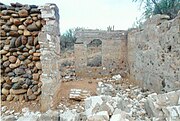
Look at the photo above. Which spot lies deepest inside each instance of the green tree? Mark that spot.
(67, 40)
(153, 7)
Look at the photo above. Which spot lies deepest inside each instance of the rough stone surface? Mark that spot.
(15, 47)
(164, 106)
(153, 54)
(50, 54)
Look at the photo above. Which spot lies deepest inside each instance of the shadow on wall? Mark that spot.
(94, 53)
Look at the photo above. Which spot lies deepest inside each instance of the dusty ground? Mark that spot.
(62, 95)
(17, 106)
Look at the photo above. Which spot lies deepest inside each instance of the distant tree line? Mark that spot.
(153, 7)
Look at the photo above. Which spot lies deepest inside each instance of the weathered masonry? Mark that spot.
(100, 53)
(150, 56)
(30, 50)
(30, 54)
(154, 54)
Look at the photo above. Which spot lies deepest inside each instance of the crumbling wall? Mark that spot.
(112, 52)
(30, 51)
(154, 54)
(49, 39)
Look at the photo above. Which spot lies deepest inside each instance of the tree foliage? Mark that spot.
(153, 7)
(67, 40)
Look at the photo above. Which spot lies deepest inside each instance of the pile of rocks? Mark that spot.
(131, 103)
(164, 106)
(127, 104)
(67, 67)
(68, 74)
(20, 51)
(105, 89)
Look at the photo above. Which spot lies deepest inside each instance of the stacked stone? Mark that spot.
(164, 106)
(20, 52)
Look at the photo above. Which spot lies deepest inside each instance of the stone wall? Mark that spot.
(154, 54)
(109, 56)
(20, 52)
(30, 50)
(49, 39)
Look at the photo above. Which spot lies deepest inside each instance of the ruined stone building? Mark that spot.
(100, 53)
(149, 56)
(30, 54)
(30, 50)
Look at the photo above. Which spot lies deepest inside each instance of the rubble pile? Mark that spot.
(113, 103)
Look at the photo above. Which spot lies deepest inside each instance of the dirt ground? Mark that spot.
(62, 95)
(18, 106)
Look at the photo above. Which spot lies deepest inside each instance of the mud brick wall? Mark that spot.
(20, 52)
(112, 53)
(154, 54)
(30, 48)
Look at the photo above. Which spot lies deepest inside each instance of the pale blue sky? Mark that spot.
(91, 14)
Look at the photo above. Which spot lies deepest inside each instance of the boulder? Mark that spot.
(14, 33)
(38, 65)
(3, 52)
(32, 97)
(32, 27)
(91, 103)
(29, 92)
(37, 54)
(119, 115)
(34, 88)
(9, 97)
(36, 76)
(12, 59)
(12, 43)
(69, 115)
(6, 86)
(21, 27)
(23, 40)
(9, 118)
(26, 33)
(100, 116)
(18, 41)
(6, 63)
(14, 28)
(17, 91)
(16, 86)
(19, 71)
(23, 13)
(17, 22)
(6, 47)
(5, 91)
(17, 79)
